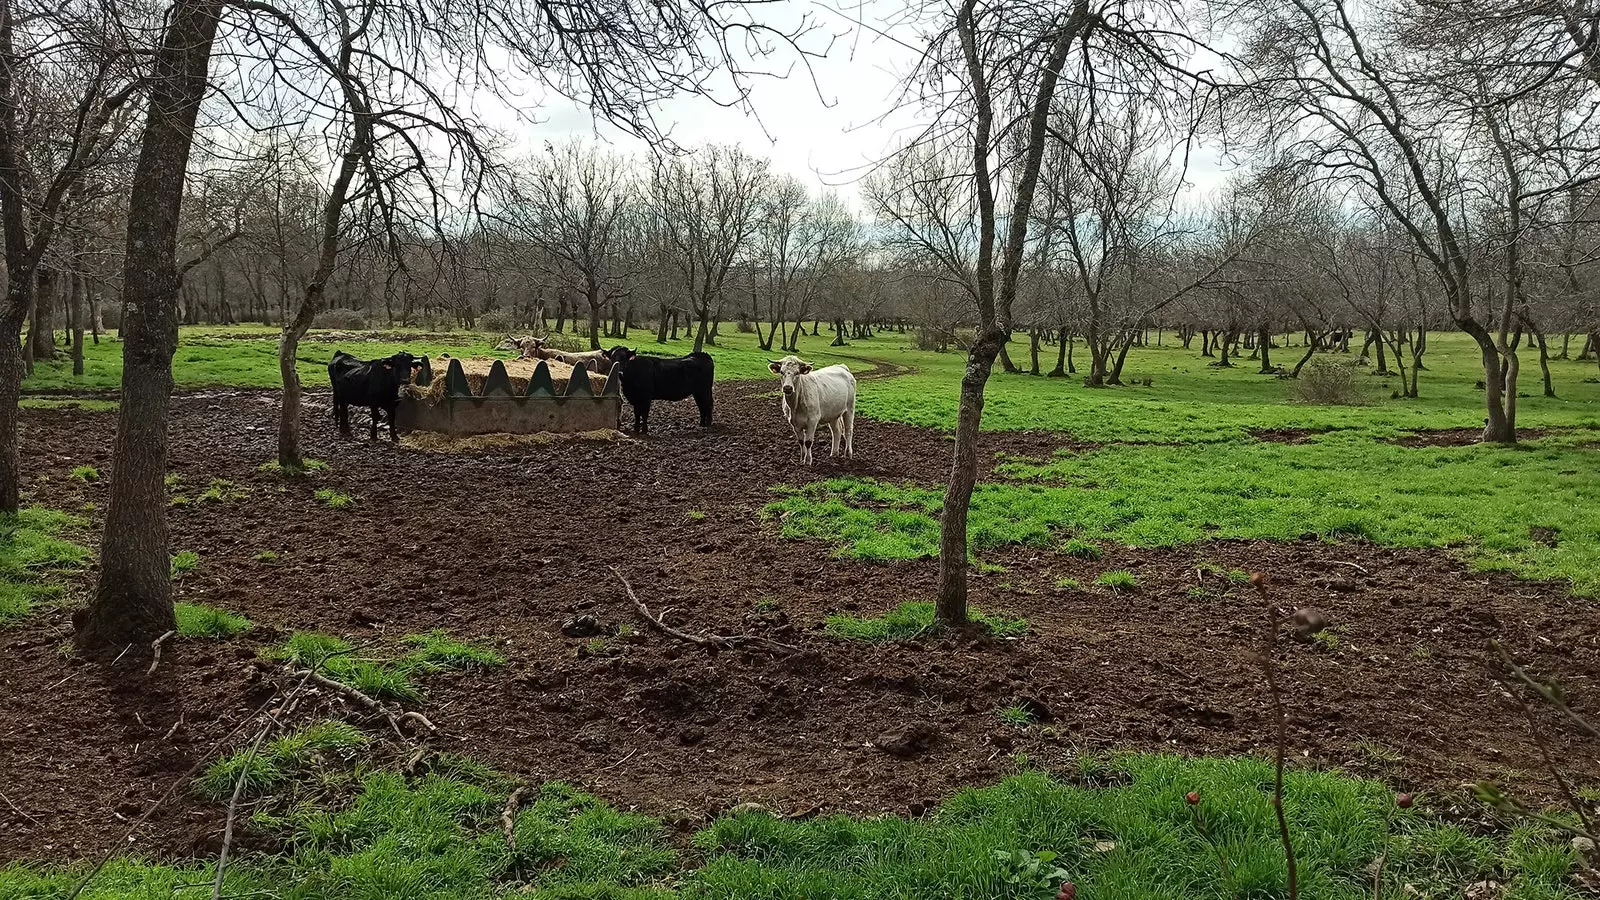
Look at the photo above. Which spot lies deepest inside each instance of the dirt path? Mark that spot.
(504, 547)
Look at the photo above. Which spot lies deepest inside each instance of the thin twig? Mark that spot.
(233, 805)
(1550, 761)
(1383, 858)
(714, 641)
(155, 648)
(1269, 668)
(631, 754)
(1358, 568)
(174, 729)
(20, 812)
(1543, 690)
(394, 714)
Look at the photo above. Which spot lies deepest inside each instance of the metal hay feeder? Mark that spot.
(498, 410)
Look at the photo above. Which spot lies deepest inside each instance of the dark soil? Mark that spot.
(1288, 435)
(505, 547)
(1463, 437)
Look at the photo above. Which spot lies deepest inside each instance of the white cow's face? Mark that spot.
(789, 369)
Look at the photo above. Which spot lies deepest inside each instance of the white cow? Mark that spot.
(825, 397)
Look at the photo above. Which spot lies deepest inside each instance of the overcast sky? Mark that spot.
(825, 132)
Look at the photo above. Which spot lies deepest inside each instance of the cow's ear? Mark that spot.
(774, 368)
(805, 368)
(388, 365)
(633, 354)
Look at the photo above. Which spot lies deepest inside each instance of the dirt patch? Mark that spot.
(1288, 435)
(1464, 437)
(503, 546)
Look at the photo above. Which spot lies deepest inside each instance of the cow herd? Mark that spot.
(812, 398)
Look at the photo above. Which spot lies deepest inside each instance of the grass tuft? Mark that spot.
(33, 557)
(275, 762)
(184, 562)
(1016, 715)
(1082, 549)
(85, 474)
(436, 651)
(201, 621)
(1118, 580)
(913, 619)
(333, 499)
(307, 468)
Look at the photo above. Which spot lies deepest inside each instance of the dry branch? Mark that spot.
(233, 805)
(392, 712)
(709, 641)
(508, 818)
(155, 649)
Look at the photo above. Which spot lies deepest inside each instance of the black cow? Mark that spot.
(376, 385)
(646, 379)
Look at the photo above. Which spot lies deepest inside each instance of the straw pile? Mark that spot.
(432, 442)
(520, 370)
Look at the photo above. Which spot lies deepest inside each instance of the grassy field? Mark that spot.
(439, 837)
(1179, 463)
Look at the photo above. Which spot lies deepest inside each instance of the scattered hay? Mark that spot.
(520, 370)
(433, 442)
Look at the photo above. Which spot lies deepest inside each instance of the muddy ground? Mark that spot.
(505, 546)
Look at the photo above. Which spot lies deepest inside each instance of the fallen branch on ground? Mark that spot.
(508, 818)
(155, 649)
(710, 641)
(1358, 568)
(392, 712)
(233, 805)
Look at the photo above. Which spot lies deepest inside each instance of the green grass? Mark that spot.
(33, 557)
(308, 467)
(438, 836)
(437, 651)
(385, 678)
(1081, 549)
(221, 490)
(1015, 715)
(67, 404)
(266, 556)
(912, 619)
(85, 474)
(277, 761)
(199, 620)
(1478, 501)
(695, 515)
(184, 562)
(1117, 580)
(1067, 582)
(333, 499)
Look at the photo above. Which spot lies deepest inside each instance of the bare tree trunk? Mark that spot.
(1060, 371)
(132, 602)
(1033, 351)
(80, 289)
(951, 604)
(1544, 362)
(1264, 343)
(1006, 363)
(11, 374)
(42, 331)
(592, 295)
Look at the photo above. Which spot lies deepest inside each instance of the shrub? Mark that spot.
(341, 320)
(1327, 382)
(496, 321)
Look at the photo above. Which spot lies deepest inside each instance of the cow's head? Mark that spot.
(399, 368)
(789, 369)
(620, 355)
(510, 343)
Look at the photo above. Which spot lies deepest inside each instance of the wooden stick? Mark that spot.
(155, 647)
(714, 641)
(233, 806)
(1340, 562)
(508, 818)
(394, 714)
(20, 812)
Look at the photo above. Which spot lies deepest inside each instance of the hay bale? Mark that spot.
(432, 442)
(519, 370)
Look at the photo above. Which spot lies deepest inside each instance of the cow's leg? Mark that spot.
(341, 418)
(811, 442)
(394, 415)
(849, 420)
(373, 410)
(641, 418)
(835, 435)
(703, 400)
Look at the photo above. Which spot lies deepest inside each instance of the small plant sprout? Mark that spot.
(184, 562)
(695, 515)
(266, 556)
(1326, 639)
(1067, 582)
(1118, 580)
(1016, 715)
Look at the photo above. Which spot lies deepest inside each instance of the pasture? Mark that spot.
(871, 756)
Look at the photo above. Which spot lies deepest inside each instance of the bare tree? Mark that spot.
(800, 241)
(574, 207)
(705, 206)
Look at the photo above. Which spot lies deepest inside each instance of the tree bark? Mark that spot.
(1033, 351)
(132, 602)
(80, 288)
(42, 331)
(1264, 343)
(1006, 363)
(1544, 362)
(1060, 371)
